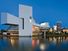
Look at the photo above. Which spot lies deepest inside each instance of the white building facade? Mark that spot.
(25, 25)
(24, 21)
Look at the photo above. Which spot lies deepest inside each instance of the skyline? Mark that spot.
(43, 11)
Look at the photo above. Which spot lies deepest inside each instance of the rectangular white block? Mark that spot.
(25, 12)
(7, 18)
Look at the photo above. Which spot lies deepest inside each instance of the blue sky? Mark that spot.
(43, 10)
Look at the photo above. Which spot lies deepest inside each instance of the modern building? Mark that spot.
(45, 25)
(24, 22)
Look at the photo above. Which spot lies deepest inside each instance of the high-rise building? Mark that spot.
(58, 26)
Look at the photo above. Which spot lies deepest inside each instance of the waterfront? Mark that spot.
(33, 44)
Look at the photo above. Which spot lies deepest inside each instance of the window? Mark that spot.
(22, 23)
(30, 19)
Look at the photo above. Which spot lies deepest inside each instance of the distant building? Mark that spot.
(51, 30)
(65, 30)
(58, 26)
(35, 28)
(45, 25)
(55, 28)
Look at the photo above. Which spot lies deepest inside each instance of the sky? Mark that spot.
(50, 11)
